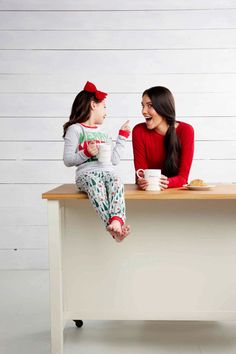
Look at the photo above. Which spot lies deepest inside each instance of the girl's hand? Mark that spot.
(126, 127)
(92, 148)
(164, 182)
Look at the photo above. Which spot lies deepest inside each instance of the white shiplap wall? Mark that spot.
(49, 49)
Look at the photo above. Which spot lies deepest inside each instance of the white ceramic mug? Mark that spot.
(104, 152)
(153, 178)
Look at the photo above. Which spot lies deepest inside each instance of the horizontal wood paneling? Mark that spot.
(114, 83)
(114, 4)
(117, 20)
(124, 47)
(35, 172)
(123, 105)
(215, 150)
(214, 171)
(24, 237)
(24, 216)
(15, 129)
(55, 172)
(50, 129)
(23, 220)
(24, 259)
(123, 61)
(31, 150)
(182, 39)
(54, 150)
(23, 195)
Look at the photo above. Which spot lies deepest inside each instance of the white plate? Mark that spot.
(199, 188)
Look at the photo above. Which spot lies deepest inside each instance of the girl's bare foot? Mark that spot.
(115, 230)
(125, 231)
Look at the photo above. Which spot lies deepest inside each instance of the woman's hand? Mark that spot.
(126, 127)
(163, 182)
(92, 148)
(143, 183)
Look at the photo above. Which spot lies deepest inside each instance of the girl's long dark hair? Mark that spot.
(80, 111)
(164, 104)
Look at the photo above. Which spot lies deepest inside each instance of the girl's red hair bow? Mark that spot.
(90, 87)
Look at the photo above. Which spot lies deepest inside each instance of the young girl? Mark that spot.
(82, 136)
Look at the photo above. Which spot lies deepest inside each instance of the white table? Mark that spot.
(178, 263)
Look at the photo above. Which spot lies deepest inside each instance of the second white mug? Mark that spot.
(104, 153)
(153, 178)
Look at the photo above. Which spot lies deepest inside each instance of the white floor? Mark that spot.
(25, 328)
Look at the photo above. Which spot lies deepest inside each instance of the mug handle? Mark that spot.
(137, 172)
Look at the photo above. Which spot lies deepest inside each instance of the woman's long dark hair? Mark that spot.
(164, 104)
(80, 111)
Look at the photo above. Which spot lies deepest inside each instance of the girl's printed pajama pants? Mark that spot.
(105, 192)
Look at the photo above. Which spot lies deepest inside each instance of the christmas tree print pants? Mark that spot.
(106, 194)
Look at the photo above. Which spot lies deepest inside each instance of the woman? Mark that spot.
(161, 142)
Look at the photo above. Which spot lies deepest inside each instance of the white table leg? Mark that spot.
(55, 225)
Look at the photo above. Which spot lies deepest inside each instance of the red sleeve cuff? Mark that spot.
(86, 152)
(124, 133)
(116, 218)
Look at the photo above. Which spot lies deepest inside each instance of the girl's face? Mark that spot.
(153, 119)
(98, 111)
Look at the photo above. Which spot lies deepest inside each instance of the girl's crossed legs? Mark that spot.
(106, 194)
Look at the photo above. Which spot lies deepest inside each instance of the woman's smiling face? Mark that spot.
(153, 119)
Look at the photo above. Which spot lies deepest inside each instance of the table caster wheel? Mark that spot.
(78, 323)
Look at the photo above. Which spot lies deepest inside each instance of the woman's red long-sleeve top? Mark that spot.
(149, 151)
